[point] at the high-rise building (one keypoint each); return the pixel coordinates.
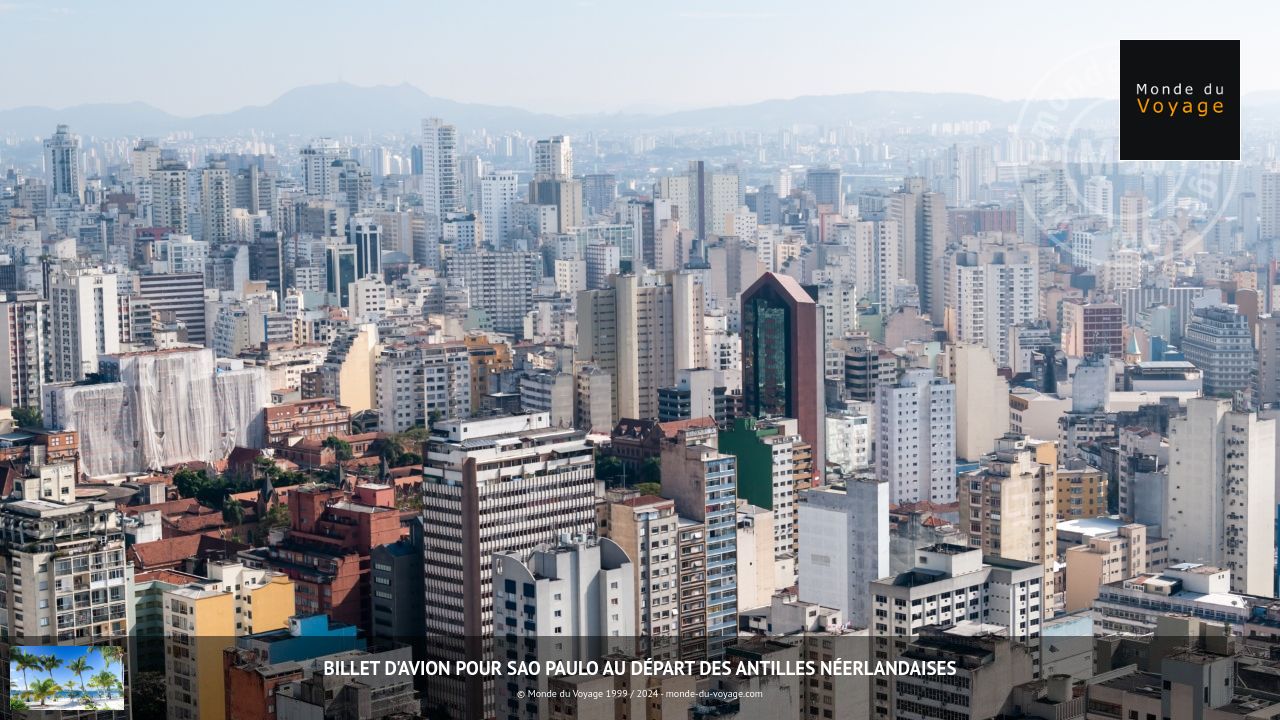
(499, 193)
(782, 357)
(642, 330)
(1129, 551)
(1269, 207)
(24, 341)
(1266, 389)
(1221, 506)
(844, 545)
(982, 406)
(553, 158)
(177, 297)
(824, 184)
(916, 448)
(1218, 340)
(1008, 506)
(582, 591)
(366, 236)
(440, 192)
(1099, 198)
(702, 482)
(417, 384)
(772, 463)
(953, 584)
(326, 550)
(217, 197)
(921, 219)
(84, 321)
(317, 160)
(1092, 328)
(499, 283)
(170, 204)
(599, 191)
(52, 542)
(62, 162)
(340, 273)
(646, 527)
(993, 287)
(500, 484)
(201, 616)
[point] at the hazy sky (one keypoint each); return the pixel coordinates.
(575, 56)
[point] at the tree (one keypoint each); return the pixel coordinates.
(609, 470)
(42, 690)
(49, 663)
(17, 703)
(79, 667)
(277, 516)
(111, 654)
(648, 488)
(28, 417)
(651, 470)
(25, 661)
(105, 680)
(233, 512)
(341, 448)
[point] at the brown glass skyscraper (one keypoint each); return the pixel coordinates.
(782, 358)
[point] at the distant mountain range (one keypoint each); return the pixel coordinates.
(343, 109)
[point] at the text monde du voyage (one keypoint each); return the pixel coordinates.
(1180, 99)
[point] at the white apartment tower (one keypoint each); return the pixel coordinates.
(439, 173)
(1220, 507)
(499, 192)
(992, 288)
(84, 321)
(553, 158)
(844, 545)
(916, 452)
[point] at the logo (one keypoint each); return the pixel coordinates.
(1179, 99)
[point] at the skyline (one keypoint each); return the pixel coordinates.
(831, 52)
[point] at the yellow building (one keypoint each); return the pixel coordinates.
(1082, 493)
(489, 359)
(1008, 505)
(203, 618)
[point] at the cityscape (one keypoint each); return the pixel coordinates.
(882, 403)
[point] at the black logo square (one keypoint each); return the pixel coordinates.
(1179, 99)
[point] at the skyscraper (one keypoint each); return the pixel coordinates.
(1221, 508)
(992, 288)
(169, 202)
(1219, 342)
(366, 236)
(500, 484)
(62, 160)
(922, 230)
(498, 195)
(439, 173)
(553, 158)
(916, 450)
(824, 183)
(24, 318)
(84, 321)
(642, 330)
(703, 483)
(782, 357)
(216, 199)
